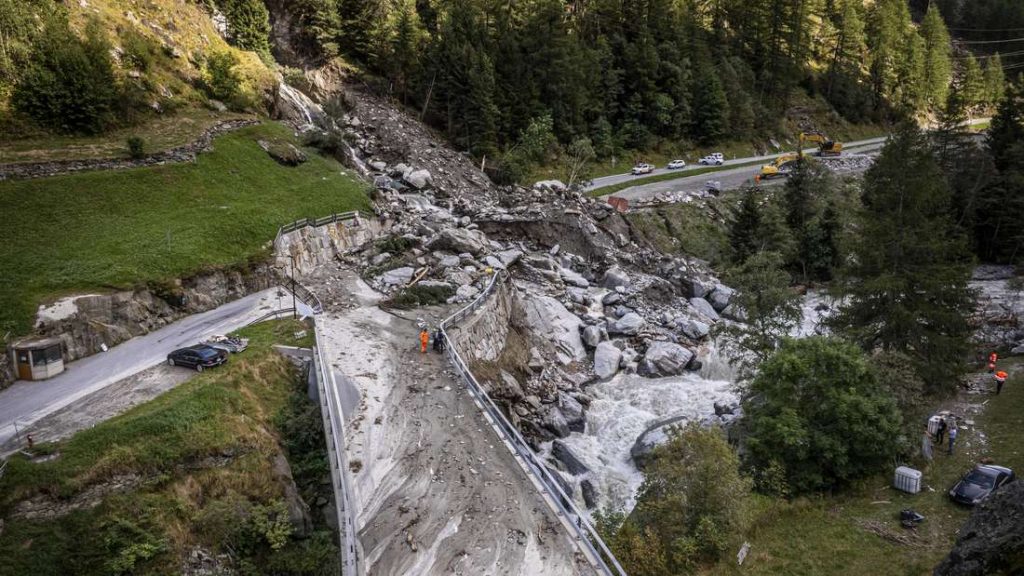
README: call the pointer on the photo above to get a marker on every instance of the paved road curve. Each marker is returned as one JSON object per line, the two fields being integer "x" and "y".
{"x": 26, "y": 402}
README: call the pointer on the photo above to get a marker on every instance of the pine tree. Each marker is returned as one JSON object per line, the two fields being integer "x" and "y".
{"x": 709, "y": 106}
{"x": 938, "y": 66}
{"x": 249, "y": 24}
{"x": 743, "y": 241}
{"x": 906, "y": 286}
{"x": 1000, "y": 212}
{"x": 973, "y": 82}
{"x": 995, "y": 80}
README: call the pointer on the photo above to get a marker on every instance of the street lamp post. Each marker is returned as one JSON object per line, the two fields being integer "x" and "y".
{"x": 295, "y": 310}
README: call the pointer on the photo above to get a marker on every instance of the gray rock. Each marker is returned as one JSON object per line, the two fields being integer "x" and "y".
{"x": 573, "y": 412}
{"x": 573, "y": 278}
{"x": 615, "y": 277}
{"x": 398, "y": 276}
{"x": 721, "y": 296}
{"x": 564, "y": 454}
{"x": 694, "y": 329}
{"x": 400, "y": 169}
{"x": 467, "y": 292}
{"x": 592, "y": 336}
{"x": 460, "y": 240}
{"x": 1018, "y": 349}
{"x": 550, "y": 185}
{"x": 547, "y": 319}
{"x": 607, "y": 357}
{"x": 541, "y": 262}
{"x": 493, "y": 262}
{"x": 555, "y": 421}
{"x": 589, "y": 493}
{"x": 611, "y": 299}
{"x": 509, "y": 257}
{"x": 696, "y": 287}
{"x": 564, "y": 484}
{"x": 378, "y": 165}
{"x": 449, "y": 261}
{"x": 380, "y": 258}
{"x": 668, "y": 359}
{"x": 510, "y": 386}
{"x": 992, "y": 539}
{"x": 418, "y": 179}
{"x": 704, "y": 308}
{"x": 655, "y": 435}
{"x": 630, "y": 325}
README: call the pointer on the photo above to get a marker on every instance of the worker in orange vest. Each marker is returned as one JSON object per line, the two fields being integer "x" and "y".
{"x": 424, "y": 340}
{"x": 1000, "y": 380}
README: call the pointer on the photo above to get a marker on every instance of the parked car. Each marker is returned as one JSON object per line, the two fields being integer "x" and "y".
{"x": 979, "y": 483}
{"x": 676, "y": 164}
{"x": 230, "y": 343}
{"x": 642, "y": 168}
{"x": 715, "y": 159}
{"x": 199, "y": 357}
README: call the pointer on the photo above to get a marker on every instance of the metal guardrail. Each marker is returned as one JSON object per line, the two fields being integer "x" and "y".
{"x": 3, "y": 468}
{"x": 585, "y": 532}
{"x": 317, "y": 222}
{"x": 334, "y": 428}
{"x": 272, "y": 315}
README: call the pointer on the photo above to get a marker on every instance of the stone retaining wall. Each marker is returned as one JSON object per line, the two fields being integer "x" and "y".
{"x": 315, "y": 246}
{"x": 482, "y": 336}
{"x": 186, "y": 153}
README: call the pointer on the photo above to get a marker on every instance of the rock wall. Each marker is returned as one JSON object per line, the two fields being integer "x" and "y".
{"x": 482, "y": 336}
{"x": 312, "y": 247}
{"x": 186, "y": 153}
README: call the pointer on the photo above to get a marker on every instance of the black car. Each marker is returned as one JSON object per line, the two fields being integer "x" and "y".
{"x": 977, "y": 484}
{"x": 198, "y": 357}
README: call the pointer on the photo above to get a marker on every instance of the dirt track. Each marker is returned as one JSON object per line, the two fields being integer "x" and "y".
{"x": 437, "y": 493}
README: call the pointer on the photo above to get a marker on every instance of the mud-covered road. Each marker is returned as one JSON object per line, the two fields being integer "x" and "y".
{"x": 436, "y": 491}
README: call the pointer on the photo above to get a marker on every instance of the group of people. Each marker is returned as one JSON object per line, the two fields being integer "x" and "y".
{"x": 946, "y": 428}
{"x": 425, "y": 338}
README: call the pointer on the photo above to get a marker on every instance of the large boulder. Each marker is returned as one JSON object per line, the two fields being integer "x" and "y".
{"x": 694, "y": 329}
{"x": 992, "y": 539}
{"x": 564, "y": 454}
{"x": 630, "y": 324}
{"x": 695, "y": 287}
{"x": 573, "y": 278}
{"x": 668, "y": 359}
{"x": 419, "y": 179}
{"x": 460, "y": 240}
{"x": 547, "y": 318}
{"x": 704, "y": 308}
{"x": 593, "y": 335}
{"x": 615, "y": 277}
{"x": 398, "y": 276}
{"x": 655, "y": 435}
{"x": 607, "y": 357}
{"x": 589, "y": 493}
{"x": 573, "y": 412}
{"x": 554, "y": 420}
{"x": 720, "y": 297}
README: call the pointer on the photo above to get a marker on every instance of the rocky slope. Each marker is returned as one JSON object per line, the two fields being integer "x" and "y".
{"x": 992, "y": 540}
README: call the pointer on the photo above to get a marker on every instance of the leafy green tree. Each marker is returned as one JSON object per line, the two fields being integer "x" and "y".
{"x": 577, "y": 158}
{"x": 906, "y": 286}
{"x": 938, "y": 65}
{"x": 248, "y": 24}
{"x": 69, "y": 86}
{"x": 770, "y": 309}
{"x": 221, "y": 79}
{"x": 816, "y": 409}
{"x": 692, "y": 505}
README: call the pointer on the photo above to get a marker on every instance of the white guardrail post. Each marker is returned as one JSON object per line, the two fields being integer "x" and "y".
{"x": 563, "y": 504}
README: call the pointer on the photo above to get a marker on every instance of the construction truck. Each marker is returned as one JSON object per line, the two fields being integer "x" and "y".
{"x": 781, "y": 166}
{"x": 826, "y": 146}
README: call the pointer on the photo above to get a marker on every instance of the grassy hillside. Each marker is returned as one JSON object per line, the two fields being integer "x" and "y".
{"x": 117, "y": 229}
{"x": 195, "y": 468}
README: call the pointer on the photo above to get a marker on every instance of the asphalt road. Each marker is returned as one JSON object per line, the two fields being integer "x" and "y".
{"x": 26, "y": 402}
{"x": 619, "y": 178}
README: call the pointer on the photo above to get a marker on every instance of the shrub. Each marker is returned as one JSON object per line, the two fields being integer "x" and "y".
{"x": 69, "y": 87}
{"x": 139, "y": 51}
{"x": 136, "y": 148}
{"x": 817, "y": 409}
{"x": 221, "y": 80}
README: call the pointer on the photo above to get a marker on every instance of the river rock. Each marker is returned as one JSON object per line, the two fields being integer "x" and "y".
{"x": 573, "y": 278}
{"x": 460, "y": 240}
{"x": 611, "y": 299}
{"x": 589, "y": 493}
{"x": 564, "y": 484}
{"x": 615, "y": 277}
{"x": 668, "y": 359}
{"x": 720, "y": 297}
{"x": 564, "y": 454}
{"x": 630, "y": 324}
{"x": 592, "y": 336}
{"x": 418, "y": 179}
{"x": 398, "y": 276}
{"x": 546, "y": 318}
{"x": 694, "y": 329}
{"x": 555, "y": 421}
{"x": 573, "y": 412}
{"x": 655, "y": 435}
{"x": 704, "y": 308}
{"x": 607, "y": 357}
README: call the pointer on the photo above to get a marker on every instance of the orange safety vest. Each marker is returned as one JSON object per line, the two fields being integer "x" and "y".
{"x": 1001, "y": 375}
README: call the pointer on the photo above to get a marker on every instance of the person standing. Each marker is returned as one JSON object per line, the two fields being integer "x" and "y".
{"x": 424, "y": 340}
{"x": 940, "y": 432}
{"x": 926, "y": 445}
{"x": 1000, "y": 378}
{"x": 952, "y": 437}
{"x": 992, "y": 358}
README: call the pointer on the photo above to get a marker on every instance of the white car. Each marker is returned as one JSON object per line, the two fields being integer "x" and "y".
{"x": 642, "y": 168}
{"x": 716, "y": 159}
{"x": 676, "y": 164}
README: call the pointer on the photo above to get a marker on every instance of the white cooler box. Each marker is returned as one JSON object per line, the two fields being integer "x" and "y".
{"x": 907, "y": 479}
{"x": 933, "y": 425}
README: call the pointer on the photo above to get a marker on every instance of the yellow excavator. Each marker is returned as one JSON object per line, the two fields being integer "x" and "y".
{"x": 826, "y": 146}
{"x": 781, "y": 166}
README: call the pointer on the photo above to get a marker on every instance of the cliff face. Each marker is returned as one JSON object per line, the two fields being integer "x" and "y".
{"x": 992, "y": 540}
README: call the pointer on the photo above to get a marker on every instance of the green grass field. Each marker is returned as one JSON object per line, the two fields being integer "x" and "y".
{"x": 202, "y": 455}
{"x": 102, "y": 230}
{"x": 858, "y": 533}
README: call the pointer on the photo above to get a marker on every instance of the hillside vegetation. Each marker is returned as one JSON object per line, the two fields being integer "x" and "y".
{"x": 97, "y": 230}
{"x": 198, "y": 467}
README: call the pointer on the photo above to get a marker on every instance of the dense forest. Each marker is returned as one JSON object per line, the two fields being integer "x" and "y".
{"x": 614, "y": 74}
